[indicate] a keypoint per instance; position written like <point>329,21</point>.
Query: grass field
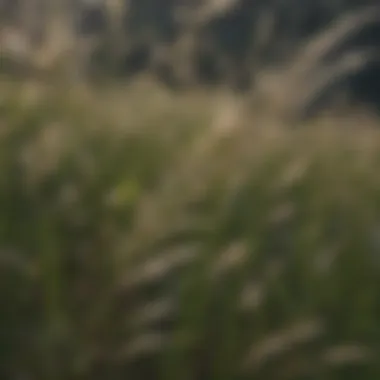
<point>138,240</point>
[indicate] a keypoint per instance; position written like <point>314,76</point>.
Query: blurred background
<point>185,43</point>
<point>189,189</point>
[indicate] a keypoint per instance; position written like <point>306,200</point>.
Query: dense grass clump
<point>137,243</point>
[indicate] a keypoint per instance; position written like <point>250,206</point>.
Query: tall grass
<point>136,242</point>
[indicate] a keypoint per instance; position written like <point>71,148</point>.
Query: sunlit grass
<point>137,242</point>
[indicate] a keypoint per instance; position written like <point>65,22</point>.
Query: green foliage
<point>132,253</point>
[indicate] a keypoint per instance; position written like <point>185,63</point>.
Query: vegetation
<point>327,47</point>
<point>222,232</point>
<point>138,240</point>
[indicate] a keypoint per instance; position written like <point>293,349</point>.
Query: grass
<point>136,242</point>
